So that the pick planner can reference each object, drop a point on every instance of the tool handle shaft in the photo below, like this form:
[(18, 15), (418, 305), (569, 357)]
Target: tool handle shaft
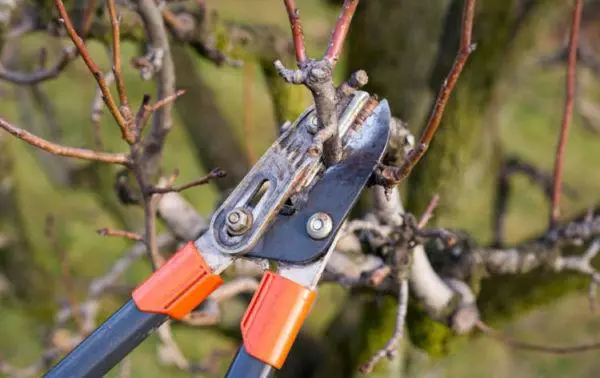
[(108, 344), (246, 366)]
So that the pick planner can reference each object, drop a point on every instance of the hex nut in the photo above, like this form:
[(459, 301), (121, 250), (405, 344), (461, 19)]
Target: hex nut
[(239, 220)]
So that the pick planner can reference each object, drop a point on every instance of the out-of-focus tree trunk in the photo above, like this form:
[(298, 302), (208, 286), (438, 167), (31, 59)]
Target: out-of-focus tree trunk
[(17, 262), (396, 42), (462, 154), (209, 130)]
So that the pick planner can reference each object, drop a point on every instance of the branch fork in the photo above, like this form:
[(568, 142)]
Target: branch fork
[(317, 75)]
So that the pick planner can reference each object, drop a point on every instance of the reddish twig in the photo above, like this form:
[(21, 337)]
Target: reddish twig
[(428, 213), (107, 96), (120, 234), (394, 175), (146, 109), (213, 174), (116, 53), (248, 110), (568, 112), (297, 34), (379, 275), (535, 347), (57, 149), (167, 100), (317, 75), (171, 19), (340, 31), (88, 17)]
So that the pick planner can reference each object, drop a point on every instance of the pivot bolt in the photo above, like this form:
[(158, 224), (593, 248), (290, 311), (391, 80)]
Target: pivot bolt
[(238, 221), (319, 226), (312, 124)]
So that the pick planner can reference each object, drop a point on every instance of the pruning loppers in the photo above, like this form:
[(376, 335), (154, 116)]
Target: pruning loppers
[(287, 211)]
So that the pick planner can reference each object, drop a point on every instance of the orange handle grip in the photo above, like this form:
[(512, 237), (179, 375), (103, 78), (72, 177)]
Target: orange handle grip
[(274, 318), (179, 286)]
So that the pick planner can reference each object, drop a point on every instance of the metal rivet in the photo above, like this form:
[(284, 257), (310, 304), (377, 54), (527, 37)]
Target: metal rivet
[(312, 125), (319, 226), (238, 221)]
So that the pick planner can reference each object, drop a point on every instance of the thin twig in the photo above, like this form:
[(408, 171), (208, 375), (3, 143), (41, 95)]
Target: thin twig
[(146, 110), (169, 351), (340, 31), (428, 213), (169, 183), (297, 33), (394, 175), (107, 96), (535, 347), (213, 174), (392, 344), (120, 234), (88, 17), (116, 52), (316, 75), (57, 149), (167, 100), (248, 110), (20, 78), (568, 112), (582, 264), (172, 20), (98, 110)]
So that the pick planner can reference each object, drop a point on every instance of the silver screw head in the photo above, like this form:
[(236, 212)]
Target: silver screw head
[(312, 124), (238, 221), (319, 226)]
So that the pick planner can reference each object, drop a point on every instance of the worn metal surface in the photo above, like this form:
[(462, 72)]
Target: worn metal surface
[(335, 194), (283, 171)]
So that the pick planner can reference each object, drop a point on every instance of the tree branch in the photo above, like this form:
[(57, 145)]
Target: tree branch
[(391, 345), (338, 37), (489, 331), (316, 75), (107, 96), (568, 112), (213, 174), (297, 34), (20, 78), (394, 175), (116, 52), (57, 149)]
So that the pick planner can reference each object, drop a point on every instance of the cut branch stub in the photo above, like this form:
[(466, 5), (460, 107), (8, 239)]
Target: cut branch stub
[(316, 75)]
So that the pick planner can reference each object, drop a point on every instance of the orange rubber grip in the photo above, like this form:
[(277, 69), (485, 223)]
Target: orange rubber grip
[(179, 286), (274, 318)]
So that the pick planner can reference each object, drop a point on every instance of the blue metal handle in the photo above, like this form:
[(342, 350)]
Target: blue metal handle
[(108, 344), (246, 366)]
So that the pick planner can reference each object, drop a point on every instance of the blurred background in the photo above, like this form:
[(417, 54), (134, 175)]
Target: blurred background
[(507, 104)]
